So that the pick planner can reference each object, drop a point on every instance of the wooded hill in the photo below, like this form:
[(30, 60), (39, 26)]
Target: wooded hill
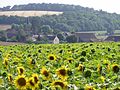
[(75, 18)]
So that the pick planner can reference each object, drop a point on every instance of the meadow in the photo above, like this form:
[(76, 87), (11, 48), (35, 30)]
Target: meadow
[(79, 66), (4, 27), (28, 13)]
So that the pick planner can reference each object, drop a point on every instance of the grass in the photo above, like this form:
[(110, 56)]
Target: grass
[(4, 27)]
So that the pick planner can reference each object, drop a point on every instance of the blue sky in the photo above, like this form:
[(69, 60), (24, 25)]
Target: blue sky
[(106, 5)]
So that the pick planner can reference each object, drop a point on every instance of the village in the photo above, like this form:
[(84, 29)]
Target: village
[(83, 37), (62, 37)]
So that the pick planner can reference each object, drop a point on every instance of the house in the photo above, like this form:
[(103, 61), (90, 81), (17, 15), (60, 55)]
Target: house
[(86, 37), (56, 40), (115, 38), (53, 39)]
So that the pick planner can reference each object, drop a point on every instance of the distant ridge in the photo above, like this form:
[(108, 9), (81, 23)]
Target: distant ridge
[(46, 7), (75, 18)]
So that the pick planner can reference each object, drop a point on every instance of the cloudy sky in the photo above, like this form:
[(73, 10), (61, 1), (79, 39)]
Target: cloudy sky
[(106, 5)]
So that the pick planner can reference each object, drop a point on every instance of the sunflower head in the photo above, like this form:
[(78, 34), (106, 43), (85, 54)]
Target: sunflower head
[(106, 62), (87, 73), (83, 53), (20, 70), (81, 67), (62, 73), (99, 69), (45, 73), (32, 62), (21, 82), (61, 84), (10, 78), (31, 83), (118, 88), (70, 60), (108, 67), (88, 87), (1, 81), (115, 68), (51, 57), (82, 59), (8, 55), (102, 79), (36, 78), (5, 62)]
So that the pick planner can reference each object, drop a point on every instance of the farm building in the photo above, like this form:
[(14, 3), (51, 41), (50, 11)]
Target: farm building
[(115, 38), (51, 38), (56, 40), (86, 37)]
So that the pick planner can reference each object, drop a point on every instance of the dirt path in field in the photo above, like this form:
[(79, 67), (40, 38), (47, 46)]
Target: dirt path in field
[(10, 43)]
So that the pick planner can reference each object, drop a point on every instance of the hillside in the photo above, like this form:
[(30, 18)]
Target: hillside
[(28, 13), (74, 18)]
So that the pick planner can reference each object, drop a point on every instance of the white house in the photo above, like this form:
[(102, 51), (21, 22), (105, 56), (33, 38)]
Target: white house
[(56, 40)]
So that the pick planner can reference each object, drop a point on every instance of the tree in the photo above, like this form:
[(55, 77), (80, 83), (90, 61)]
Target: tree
[(71, 39), (3, 36), (46, 29), (35, 24), (62, 26), (21, 36), (61, 37)]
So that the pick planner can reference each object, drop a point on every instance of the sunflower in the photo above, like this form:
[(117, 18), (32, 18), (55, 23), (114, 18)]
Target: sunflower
[(5, 62), (1, 81), (83, 53), (36, 78), (99, 69), (106, 62), (118, 88), (115, 68), (108, 67), (82, 59), (81, 67), (32, 62), (70, 60), (45, 73), (21, 82), (102, 79), (10, 78), (8, 56), (51, 57), (87, 73), (61, 84), (31, 83), (20, 70), (88, 87), (62, 73)]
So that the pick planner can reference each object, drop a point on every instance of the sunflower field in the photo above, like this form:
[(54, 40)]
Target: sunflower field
[(79, 66)]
